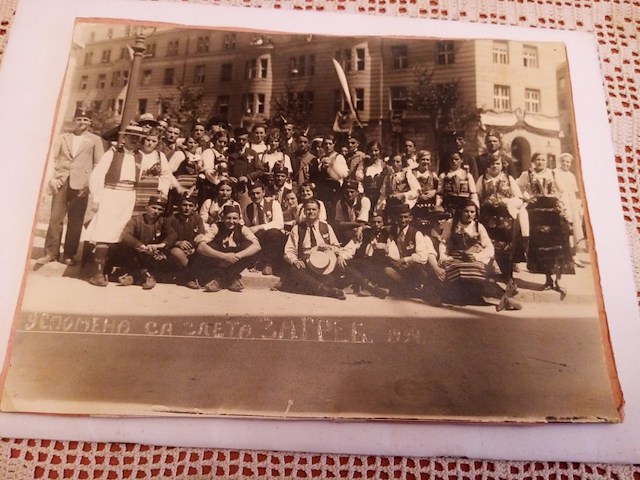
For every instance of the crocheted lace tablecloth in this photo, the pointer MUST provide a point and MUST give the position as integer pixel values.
(616, 24)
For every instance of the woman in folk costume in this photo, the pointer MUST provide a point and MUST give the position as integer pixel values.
(465, 252)
(307, 192)
(155, 173)
(500, 202)
(185, 164)
(457, 186)
(212, 159)
(112, 185)
(373, 172)
(399, 184)
(211, 210)
(545, 230)
(274, 155)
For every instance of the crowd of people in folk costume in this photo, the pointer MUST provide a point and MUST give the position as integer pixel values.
(322, 216)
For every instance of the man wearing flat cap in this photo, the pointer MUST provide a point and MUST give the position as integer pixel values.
(141, 253)
(75, 154)
(222, 254)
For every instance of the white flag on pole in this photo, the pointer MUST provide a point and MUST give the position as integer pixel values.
(345, 88)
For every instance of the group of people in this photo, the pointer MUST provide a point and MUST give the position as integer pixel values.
(200, 207)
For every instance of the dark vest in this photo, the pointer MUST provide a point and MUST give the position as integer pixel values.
(262, 214)
(409, 243)
(218, 241)
(113, 174)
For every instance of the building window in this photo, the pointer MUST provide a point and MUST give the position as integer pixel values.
(106, 56)
(358, 99)
(151, 50)
(400, 56)
(142, 105)
(115, 78)
(198, 74)
(145, 80)
(261, 101)
(120, 105)
(169, 76)
(360, 59)
(501, 53)
(223, 105)
(229, 41)
(96, 106)
(110, 34)
(250, 68)
(532, 101)
(530, 56)
(88, 58)
(398, 98)
(307, 101)
(264, 67)
(202, 45)
(247, 104)
(102, 80)
(123, 53)
(111, 104)
(297, 66)
(226, 72)
(84, 81)
(501, 97)
(445, 54)
(172, 48)
(311, 65)
(125, 78)
(343, 57)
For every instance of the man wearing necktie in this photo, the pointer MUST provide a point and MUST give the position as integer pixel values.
(264, 218)
(411, 258)
(303, 237)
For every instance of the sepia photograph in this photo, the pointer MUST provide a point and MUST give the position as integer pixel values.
(250, 223)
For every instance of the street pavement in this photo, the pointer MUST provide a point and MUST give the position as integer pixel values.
(117, 350)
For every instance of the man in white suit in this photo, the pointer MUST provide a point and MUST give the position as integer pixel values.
(75, 154)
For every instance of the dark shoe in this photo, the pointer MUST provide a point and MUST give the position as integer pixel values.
(267, 270)
(149, 281)
(99, 280)
(561, 291)
(46, 259)
(511, 288)
(125, 280)
(380, 292)
(213, 286)
(236, 285)
(336, 293)
(193, 285)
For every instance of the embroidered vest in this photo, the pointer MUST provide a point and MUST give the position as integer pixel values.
(113, 174)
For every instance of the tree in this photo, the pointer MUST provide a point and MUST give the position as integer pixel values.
(443, 105)
(186, 107)
(292, 106)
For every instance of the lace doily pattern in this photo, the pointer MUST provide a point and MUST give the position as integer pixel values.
(616, 24)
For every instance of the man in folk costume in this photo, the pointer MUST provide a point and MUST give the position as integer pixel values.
(223, 252)
(352, 212)
(312, 252)
(141, 253)
(264, 218)
(75, 155)
(112, 185)
(188, 225)
(412, 260)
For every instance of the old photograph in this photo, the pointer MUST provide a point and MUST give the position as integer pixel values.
(278, 225)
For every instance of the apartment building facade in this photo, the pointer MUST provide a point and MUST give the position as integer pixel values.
(242, 74)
